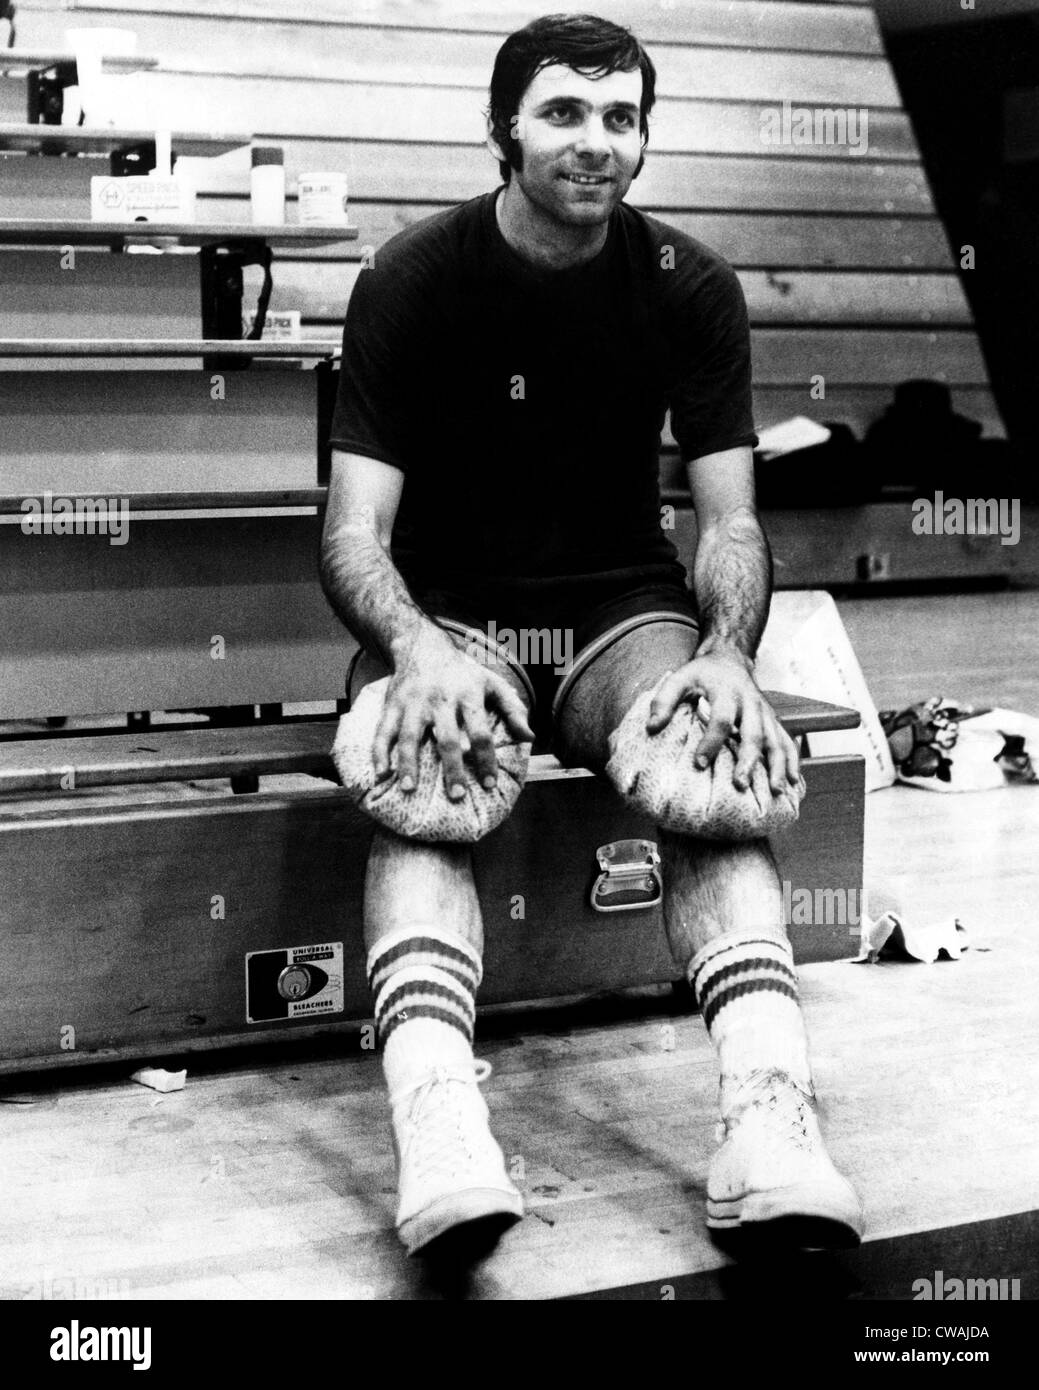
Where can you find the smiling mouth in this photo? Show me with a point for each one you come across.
(586, 180)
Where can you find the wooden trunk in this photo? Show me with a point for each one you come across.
(126, 919)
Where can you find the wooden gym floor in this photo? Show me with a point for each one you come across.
(271, 1176)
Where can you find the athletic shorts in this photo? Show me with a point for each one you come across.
(550, 630)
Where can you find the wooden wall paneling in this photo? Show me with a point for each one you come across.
(32, 187)
(50, 293)
(120, 627)
(838, 297)
(283, 108)
(817, 242)
(753, 23)
(745, 239)
(788, 356)
(772, 297)
(423, 172)
(853, 298)
(828, 553)
(859, 356)
(816, 549)
(12, 98)
(791, 299)
(403, 56)
(157, 432)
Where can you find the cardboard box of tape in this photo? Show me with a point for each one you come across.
(140, 198)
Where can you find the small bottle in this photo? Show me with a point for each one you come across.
(267, 191)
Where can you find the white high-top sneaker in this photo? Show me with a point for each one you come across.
(451, 1170)
(772, 1167)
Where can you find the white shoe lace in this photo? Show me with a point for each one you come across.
(779, 1106)
(441, 1135)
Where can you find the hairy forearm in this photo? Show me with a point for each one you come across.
(732, 577)
(367, 592)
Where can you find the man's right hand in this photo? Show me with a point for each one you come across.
(435, 686)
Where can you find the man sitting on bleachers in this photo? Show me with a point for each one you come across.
(507, 366)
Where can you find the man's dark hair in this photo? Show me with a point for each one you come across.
(580, 41)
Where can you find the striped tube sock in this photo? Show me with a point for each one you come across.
(424, 980)
(746, 989)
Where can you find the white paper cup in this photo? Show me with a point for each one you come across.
(70, 107)
(98, 93)
(322, 200)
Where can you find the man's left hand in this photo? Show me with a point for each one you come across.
(725, 678)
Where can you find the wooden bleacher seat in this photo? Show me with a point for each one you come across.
(39, 764)
(160, 755)
(132, 901)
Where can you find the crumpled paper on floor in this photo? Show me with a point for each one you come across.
(158, 1079)
(898, 939)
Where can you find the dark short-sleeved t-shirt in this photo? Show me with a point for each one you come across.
(525, 406)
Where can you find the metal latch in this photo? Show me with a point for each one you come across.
(630, 877)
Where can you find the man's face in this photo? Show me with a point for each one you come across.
(580, 141)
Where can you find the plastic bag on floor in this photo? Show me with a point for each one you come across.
(948, 747)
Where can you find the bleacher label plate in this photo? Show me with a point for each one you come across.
(297, 982)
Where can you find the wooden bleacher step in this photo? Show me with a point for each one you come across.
(184, 754)
(55, 231)
(23, 60)
(28, 139)
(164, 347)
(167, 755)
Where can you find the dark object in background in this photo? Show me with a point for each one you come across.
(7, 11)
(920, 445)
(834, 474)
(984, 175)
(919, 736)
